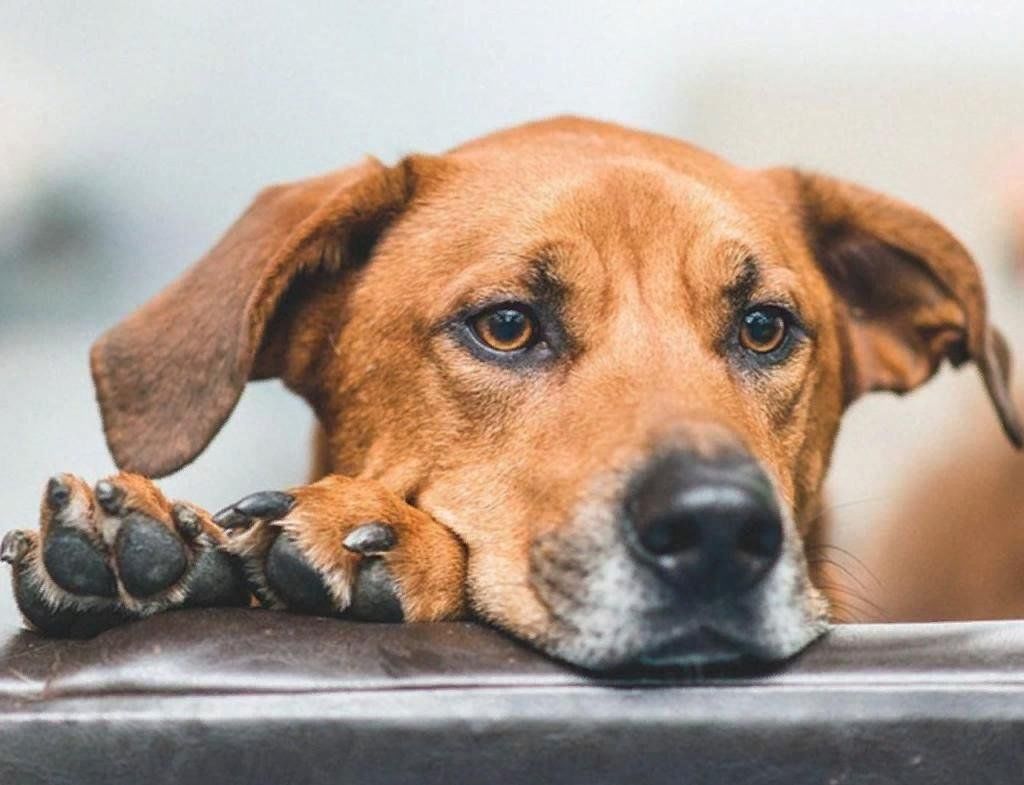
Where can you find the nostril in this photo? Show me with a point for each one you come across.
(670, 534)
(759, 537)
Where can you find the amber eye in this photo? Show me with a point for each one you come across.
(505, 329)
(763, 329)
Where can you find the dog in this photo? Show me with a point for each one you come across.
(578, 381)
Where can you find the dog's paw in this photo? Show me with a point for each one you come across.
(349, 547)
(115, 552)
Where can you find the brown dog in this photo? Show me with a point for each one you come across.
(579, 380)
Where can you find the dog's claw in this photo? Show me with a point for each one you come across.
(109, 496)
(12, 549)
(370, 538)
(57, 492)
(265, 505)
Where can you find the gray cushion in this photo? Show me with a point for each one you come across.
(224, 696)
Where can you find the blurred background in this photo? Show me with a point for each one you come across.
(131, 135)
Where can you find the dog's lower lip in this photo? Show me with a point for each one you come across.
(702, 646)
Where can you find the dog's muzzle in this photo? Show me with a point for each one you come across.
(691, 561)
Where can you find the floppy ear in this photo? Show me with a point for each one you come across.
(909, 294)
(168, 376)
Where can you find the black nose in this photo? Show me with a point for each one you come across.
(711, 527)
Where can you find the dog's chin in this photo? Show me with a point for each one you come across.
(707, 646)
(700, 648)
(606, 642)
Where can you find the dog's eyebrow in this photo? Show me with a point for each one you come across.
(549, 293)
(543, 283)
(744, 283)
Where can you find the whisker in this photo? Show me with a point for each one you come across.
(844, 505)
(851, 609)
(847, 615)
(844, 602)
(854, 596)
(849, 573)
(848, 554)
(839, 584)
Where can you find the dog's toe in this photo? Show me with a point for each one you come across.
(109, 496)
(375, 595)
(45, 605)
(149, 555)
(58, 492)
(14, 546)
(294, 580)
(216, 580)
(369, 592)
(137, 526)
(75, 563)
(72, 550)
(51, 617)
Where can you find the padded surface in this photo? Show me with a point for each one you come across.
(252, 696)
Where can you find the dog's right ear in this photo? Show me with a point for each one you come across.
(169, 375)
(908, 294)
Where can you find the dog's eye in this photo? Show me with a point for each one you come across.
(507, 328)
(763, 329)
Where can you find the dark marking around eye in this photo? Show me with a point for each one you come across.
(743, 286)
(523, 326)
(544, 284)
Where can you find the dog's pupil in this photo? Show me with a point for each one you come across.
(763, 329)
(507, 325)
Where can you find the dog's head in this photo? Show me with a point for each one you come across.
(611, 363)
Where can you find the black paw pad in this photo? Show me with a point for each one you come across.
(150, 557)
(295, 581)
(62, 622)
(375, 597)
(216, 580)
(75, 564)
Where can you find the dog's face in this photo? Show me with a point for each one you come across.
(612, 364)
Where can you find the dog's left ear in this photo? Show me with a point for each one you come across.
(168, 376)
(910, 295)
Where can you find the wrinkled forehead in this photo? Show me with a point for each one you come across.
(611, 228)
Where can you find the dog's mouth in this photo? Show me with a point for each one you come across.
(702, 647)
(616, 615)
(609, 609)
